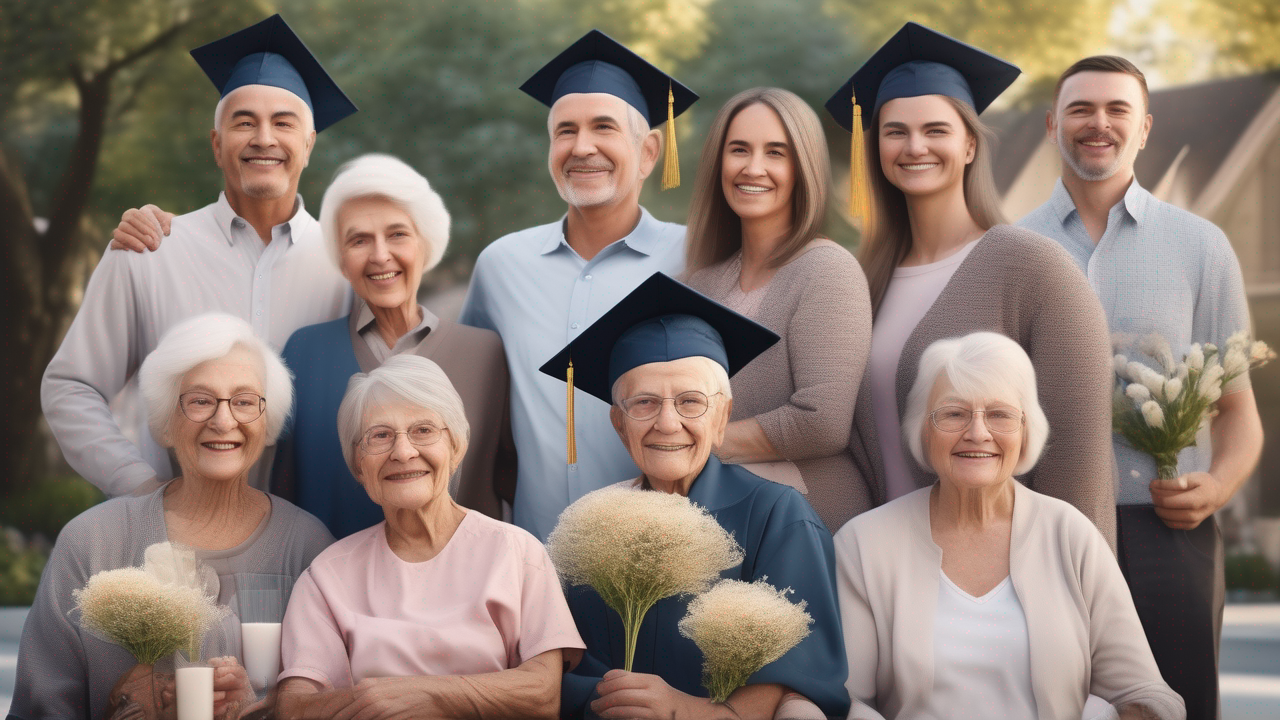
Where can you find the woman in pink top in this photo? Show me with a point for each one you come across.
(438, 609)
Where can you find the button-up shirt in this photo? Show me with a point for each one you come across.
(536, 292)
(367, 326)
(212, 261)
(1156, 269)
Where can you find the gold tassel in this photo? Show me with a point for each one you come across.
(671, 158)
(859, 201)
(571, 451)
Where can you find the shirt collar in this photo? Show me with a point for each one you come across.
(717, 487)
(1135, 201)
(228, 221)
(365, 321)
(642, 238)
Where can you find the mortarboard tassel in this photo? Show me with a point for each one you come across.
(859, 205)
(671, 159)
(571, 452)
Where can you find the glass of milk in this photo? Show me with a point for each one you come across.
(262, 601)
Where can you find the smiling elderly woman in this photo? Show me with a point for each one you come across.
(216, 395)
(439, 609)
(662, 357)
(385, 228)
(977, 597)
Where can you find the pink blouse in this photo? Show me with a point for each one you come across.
(488, 602)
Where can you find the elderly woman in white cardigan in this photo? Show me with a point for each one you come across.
(977, 597)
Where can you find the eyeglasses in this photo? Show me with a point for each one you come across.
(379, 438)
(955, 419)
(199, 406)
(691, 404)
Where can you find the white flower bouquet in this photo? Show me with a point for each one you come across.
(1160, 412)
(740, 627)
(147, 611)
(636, 547)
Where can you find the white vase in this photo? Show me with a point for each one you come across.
(260, 643)
(195, 692)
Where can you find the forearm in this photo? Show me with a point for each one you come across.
(749, 702)
(1236, 432)
(745, 442)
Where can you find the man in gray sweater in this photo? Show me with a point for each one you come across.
(1156, 269)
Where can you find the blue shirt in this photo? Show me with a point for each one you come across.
(537, 293)
(1161, 269)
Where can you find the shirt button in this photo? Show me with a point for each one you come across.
(587, 277)
(259, 313)
(574, 326)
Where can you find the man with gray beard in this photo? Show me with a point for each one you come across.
(1156, 269)
(540, 288)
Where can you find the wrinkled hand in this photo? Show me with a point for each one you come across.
(645, 697)
(231, 689)
(1184, 503)
(141, 229)
(133, 697)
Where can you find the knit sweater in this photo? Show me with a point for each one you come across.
(1023, 285)
(802, 390)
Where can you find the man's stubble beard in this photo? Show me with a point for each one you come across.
(1067, 147)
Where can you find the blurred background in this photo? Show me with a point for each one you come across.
(101, 109)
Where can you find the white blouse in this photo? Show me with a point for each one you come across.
(982, 656)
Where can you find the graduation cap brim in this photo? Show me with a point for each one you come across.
(985, 74)
(220, 58)
(660, 295)
(652, 83)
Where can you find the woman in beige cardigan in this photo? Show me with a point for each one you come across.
(941, 263)
(754, 244)
(976, 597)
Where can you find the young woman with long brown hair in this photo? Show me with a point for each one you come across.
(940, 263)
(755, 244)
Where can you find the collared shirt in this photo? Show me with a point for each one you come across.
(1160, 269)
(538, 294)
(212, 261)
(367, 326)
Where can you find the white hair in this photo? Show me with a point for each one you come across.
(411, 379)
(308, 119)
(637, 124)
(980, 365)
(383, 176)
(717, 377)
(200, 339)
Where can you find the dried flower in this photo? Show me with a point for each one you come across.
(1211, 378)
(1155, 346)
(1195, 357)
(740, 627)
(1122, 366)
(151, 619)
(1235, 362)
(636, 547)
(1153, 414)
(1172, 389)
(1260, 353)
(1137, 392)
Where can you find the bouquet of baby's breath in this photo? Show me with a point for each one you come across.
(636, 547)
(740, 627)
(149, 616)
(1160, 412)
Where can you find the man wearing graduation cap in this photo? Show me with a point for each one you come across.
(660, 361)
(541, 287)
(255, 253)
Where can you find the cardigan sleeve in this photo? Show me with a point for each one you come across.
(859, 627)
(1065, 333)
(1123, 671)
(828, 338)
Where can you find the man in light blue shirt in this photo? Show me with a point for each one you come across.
(1156, 269)
(539, 288)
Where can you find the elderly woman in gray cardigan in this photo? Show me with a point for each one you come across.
(754, 244)
(976, 597)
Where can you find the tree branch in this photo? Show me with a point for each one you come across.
(146, 48)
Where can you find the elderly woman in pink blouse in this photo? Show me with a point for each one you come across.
(439, 610)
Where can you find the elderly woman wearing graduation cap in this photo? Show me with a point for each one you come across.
(940, 263)
(665, 342)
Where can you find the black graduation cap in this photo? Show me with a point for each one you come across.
(659, 321)
(919, 61)
(597, 63)
(269, 53)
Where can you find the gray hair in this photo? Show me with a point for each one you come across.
(717, 374)
(384, 176)
(407, 378)
(637, 125)
(308, 119)
(200, 339)
(979, 365)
